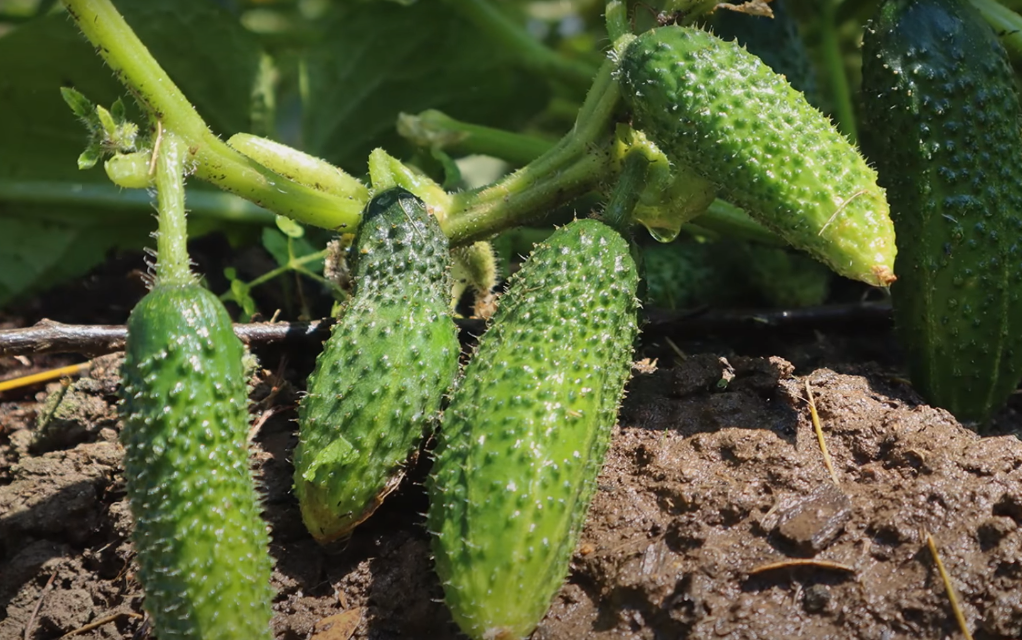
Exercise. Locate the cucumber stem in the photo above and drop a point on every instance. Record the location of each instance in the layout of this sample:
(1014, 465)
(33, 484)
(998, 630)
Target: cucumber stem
(632, 180)
(616, 16)
(436, 129)
(105, 197)
(576, 164)
(844, 112)
(172, 264)
(532, 54)
(136, 68)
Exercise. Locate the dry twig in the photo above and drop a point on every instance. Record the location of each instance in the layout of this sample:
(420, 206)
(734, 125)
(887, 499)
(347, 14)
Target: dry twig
(819, 434)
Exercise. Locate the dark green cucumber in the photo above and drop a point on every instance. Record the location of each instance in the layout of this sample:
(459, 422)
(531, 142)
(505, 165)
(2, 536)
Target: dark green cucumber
(688, 273)
(940, 101)
(713, 106)
(775, 41)
(382, 374)
(202, 547)
(527, 429)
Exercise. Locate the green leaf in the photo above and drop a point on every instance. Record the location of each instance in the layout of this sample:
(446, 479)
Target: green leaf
(40, 251)
(81, 106)
(379, 59)
(275, 243)
(290, 228)
(241, 294)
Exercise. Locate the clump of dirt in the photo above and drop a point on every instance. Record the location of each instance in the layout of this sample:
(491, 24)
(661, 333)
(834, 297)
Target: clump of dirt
(715, 517)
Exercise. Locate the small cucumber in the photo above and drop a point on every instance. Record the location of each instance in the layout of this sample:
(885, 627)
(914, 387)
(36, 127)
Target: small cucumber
(715, 107)
(775, 41)
(527, 429)
(940, 100)
(383, 372)
(201, 544)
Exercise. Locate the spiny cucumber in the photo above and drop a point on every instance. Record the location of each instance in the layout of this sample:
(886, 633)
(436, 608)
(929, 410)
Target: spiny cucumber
(713, 106)
(527, 429)
(383, 372)
(202, 547)
(775, 41)
(940, 101)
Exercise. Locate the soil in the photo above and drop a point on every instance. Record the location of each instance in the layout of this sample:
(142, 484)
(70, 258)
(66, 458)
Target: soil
(715, 516)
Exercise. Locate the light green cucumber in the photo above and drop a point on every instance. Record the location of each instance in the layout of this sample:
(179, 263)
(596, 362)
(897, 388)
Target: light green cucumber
(379, 381)
(529, 423)
(775, 41)
(714, 107)
(942, 106)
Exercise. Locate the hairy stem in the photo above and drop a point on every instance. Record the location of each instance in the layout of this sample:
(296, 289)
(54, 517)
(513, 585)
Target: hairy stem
(201, 203)
(172, 263)
(216, 162)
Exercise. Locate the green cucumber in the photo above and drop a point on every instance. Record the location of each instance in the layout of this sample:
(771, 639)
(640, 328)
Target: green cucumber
(202, 547)
(382, 374)
(775, 41)
(715, 107)
(940, 100)
(688, 273)
(527, 429)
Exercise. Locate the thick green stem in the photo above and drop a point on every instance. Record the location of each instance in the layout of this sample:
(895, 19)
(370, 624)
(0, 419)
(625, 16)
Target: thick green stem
(523, 196)
(841, 94)
(625, 196)
(216, 162)
(616, 15)
(436, 129)
(172, 263)
(575, 165)
(532, 54)
(201, 202)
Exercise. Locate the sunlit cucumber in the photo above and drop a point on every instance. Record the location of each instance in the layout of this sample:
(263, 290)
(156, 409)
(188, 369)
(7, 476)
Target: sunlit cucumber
(202, 547)
(383, 372)
(944, 113)
(775, 41)
(527, 429)
(715, 107)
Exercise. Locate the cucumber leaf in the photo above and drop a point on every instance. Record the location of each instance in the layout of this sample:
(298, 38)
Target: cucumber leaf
(380, 59)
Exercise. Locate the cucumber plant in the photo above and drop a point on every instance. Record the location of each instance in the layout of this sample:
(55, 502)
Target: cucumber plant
(674, 117)
(202, 546)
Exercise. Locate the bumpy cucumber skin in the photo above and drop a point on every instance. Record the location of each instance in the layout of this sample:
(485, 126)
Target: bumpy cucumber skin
(524, 437)
(715, 107)
(940, 100)
(382, 374)
(775, 41)
(202, 547)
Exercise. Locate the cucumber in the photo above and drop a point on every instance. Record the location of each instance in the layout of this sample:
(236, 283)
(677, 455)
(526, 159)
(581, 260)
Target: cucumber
(202, 548)
(527, 429)
(687, 273)
(712, 106)
(383, 372)
(940, 100)
(775, 41)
